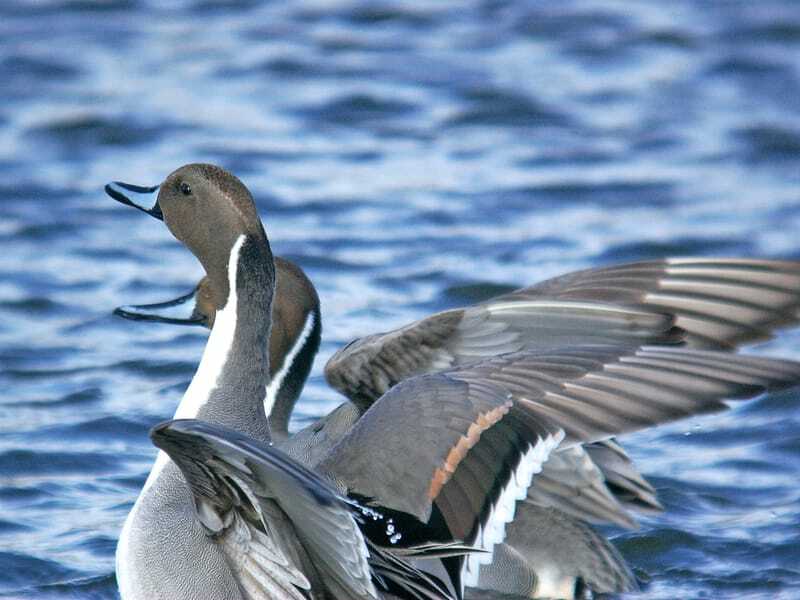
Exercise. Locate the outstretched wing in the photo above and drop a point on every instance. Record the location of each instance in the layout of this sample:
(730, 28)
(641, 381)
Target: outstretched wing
(595, 392)
(705, 302)
(463, 445)
(455, 455)
(719, 302)
(368, 367)
(238, 481)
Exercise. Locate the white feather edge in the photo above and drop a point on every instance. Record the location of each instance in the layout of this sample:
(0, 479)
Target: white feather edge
(502, 512)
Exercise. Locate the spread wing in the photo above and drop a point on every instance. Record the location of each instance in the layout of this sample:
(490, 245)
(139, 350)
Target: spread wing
(706, 302)
(368, 367)
(240, 486)
(464, 445)
(719, 302)
(245, 488)
(596, 392)
(456, 456)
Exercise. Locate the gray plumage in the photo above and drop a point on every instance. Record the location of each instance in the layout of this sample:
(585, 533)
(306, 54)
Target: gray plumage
(589, 392)
(249, 524)
(446, 411)
(700, 302)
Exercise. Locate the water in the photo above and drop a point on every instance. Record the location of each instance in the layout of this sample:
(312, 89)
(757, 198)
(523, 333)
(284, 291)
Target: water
(411, 158)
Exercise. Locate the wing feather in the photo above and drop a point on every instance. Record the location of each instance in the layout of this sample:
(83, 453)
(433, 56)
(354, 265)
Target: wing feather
(609, 390)
(220, 465)
(703, 302)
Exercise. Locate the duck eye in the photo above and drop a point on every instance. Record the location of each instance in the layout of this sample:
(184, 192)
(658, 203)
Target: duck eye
(186, 189)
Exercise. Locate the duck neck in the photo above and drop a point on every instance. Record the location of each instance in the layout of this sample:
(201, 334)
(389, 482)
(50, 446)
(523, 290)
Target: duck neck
(288, 379)
(228, 387)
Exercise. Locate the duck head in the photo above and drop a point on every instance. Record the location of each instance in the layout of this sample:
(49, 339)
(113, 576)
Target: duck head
(183, 202)
(207, 209)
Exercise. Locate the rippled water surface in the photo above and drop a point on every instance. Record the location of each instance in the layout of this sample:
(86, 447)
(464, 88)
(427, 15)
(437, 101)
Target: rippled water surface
(410, 158)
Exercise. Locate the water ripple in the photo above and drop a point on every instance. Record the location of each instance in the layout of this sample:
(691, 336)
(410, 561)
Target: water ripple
(411, 158)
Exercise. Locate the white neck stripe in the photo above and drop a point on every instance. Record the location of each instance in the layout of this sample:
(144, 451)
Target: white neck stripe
(214, 358)
(203, 383)
(275, 385)
(217, 349)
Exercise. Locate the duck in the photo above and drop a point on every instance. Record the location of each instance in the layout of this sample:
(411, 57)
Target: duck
(461, 415)
(218, 516)
(294, 341)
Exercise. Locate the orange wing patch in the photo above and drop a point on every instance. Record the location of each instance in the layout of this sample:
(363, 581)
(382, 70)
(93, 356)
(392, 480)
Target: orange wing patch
(457, 453)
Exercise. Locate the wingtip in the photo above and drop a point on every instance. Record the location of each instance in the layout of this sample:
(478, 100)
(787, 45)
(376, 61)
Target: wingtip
(160, 430)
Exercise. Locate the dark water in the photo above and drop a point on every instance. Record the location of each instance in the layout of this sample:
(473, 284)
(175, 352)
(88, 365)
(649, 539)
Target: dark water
(411, 158)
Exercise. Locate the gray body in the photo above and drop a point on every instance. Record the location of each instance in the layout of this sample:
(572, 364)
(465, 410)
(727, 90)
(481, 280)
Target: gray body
(554, 370)
(167, 543)
(212, 525)
(163, 541)
(314, 442)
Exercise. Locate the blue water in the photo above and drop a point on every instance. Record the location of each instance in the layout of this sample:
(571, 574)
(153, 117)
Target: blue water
(411, 158)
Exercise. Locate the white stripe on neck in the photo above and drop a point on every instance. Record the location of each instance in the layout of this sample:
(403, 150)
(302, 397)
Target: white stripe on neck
(493, 531)
(217, 349)
(274, 386)
(215, 355)
(203, 383)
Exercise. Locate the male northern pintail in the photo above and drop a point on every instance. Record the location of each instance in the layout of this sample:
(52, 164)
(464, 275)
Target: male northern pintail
(465, 407)
(252, 522)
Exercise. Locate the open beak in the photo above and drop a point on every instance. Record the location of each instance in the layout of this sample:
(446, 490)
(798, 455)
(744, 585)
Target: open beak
(180, 311)
(137, 197)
